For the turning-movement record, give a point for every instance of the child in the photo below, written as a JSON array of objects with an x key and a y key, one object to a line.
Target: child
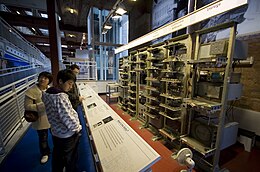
[{"x": 65, "y": 125}]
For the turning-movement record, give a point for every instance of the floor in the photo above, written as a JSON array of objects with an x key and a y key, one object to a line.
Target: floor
[
  {"x": 233, "y": 159},
  {"x": 25, "y": 156}
]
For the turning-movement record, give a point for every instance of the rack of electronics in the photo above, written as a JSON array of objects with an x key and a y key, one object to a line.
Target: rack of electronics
[
  {"x": 190, "y": 89},
  {"x": 175, "y": 74},
  {"x": 132, "y": 85},
  {"x": 123, "y": 82},
  {"x": 141, "y": 75},
  {"x": 214, "y": 87},
  {"x": 154, "y": 121}
]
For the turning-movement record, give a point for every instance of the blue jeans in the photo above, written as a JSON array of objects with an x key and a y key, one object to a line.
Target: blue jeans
[
  {"x": 43, "y": 142},
  {"x": 65, "y": 153}
]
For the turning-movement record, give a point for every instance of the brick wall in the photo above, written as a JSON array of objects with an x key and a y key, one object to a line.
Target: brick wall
[{"x": 251, "y": 76}]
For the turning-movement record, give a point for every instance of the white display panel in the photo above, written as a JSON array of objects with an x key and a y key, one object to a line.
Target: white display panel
[
  {"x": 213, "y": 9},
  {"x": 118, "y": 146}
]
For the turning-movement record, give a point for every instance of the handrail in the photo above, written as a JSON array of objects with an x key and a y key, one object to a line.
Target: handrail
[
  {"x": 16, "y": 69},
  {"x": 8, "y": 33}
]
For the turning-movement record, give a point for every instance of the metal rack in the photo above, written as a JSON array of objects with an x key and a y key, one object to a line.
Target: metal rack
[
  {"x": 186, "y": 89},
  {"x": 174, "y": 79},
  {"x": 153, "y": 88},
  {"x": 132, "y": 85},
  {"x": 112, "y": 91},
  {"x": 88, "y": 68},
  {"x": 123, "y": 81},
  {"x": 207, "y": 105},
  {"x": 141, "y": 75}
]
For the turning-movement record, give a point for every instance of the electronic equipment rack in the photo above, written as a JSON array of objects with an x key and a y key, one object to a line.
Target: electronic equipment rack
[
  {"x": 190, "y": 87},
  {"x": 213, "y": 86},
  {"x": 123, "y": 82}
]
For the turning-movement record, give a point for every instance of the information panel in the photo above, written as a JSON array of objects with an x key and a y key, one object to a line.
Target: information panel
[
  {"x": 213, "y": 9},
  {"x": 118, "y": 146}
]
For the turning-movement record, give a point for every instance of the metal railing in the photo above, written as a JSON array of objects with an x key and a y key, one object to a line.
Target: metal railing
[
  {"x": 14, "y": 40},
  {"x": 11, "y": 75},
  {"x": 12, "y": 108}
]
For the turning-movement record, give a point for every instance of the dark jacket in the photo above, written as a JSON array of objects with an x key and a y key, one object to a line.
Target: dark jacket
[{"x": 74, "y": 96}]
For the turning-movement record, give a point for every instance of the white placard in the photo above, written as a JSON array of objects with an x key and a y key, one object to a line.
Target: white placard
[
  {"x": 118, "y": 146},
  {"x": 208, "y": 11}
]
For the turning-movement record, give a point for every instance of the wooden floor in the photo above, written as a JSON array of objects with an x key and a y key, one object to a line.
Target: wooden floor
[{"x": 233, "y": 159}]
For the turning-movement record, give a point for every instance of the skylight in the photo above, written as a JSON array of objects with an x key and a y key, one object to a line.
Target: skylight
[
  {"x": 44, "y": 15},
  {"x": 45, "y": 32},
  {"x": 29, "y": 13},
  {"x": 24, "y": 30}
]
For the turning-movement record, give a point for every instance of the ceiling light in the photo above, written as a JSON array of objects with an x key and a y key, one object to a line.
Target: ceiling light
[
  {"x": 116, "y": 16},
  {"x": 33, "y": 29},
  {"x": 71, "y": 10},
  {"x": 120, "y": 11},
  {"x": 84, "y": 36},
  {"x": 44, "y": 31},
  {"x": 71, "y": 35},
  {"x": 107, "y": 26},
  {"x": 44, "y": 15},
  {"x": 43, "y": 44},
  {"x": 29, "y": 13},
  {"x": 104, "y": 31},
  {"x": 18, "y": 12}
]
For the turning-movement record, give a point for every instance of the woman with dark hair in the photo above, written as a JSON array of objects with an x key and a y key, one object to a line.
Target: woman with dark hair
[{"x": 33, "y": 102}]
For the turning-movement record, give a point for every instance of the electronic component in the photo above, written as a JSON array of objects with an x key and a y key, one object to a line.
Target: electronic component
[
  {"x": 206, "y": 106},
  {"x": 174, "y": 103},
  {"x": 210, "y": 90},
  {"x": 211, "y": 76},
  {"x": 218, "y": 48},
  {"x": 206, "y": 133}
]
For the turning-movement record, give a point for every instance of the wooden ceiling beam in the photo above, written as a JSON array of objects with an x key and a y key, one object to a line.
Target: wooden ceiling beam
[
  {"x": 45, "y": 39},
  {"x": 26, "y": 21},
  {"x": 37, "y": 22}
]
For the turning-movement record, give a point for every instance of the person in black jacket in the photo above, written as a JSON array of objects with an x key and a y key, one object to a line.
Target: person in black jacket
[{"x": 74, "y": 96}]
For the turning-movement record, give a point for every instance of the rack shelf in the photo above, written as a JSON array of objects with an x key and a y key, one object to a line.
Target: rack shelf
[
  {"x": 112, "y": 91},
  {"x": 196, "y": 145},
  {"x": 174, "y": 109},
  {"x": 168, "y": 135},
  {"x": 171, "y": 97},
  {"x": 167, "y": 116}
]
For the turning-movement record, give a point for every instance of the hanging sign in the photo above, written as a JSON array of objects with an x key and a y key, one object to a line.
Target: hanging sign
[{"x": 208, "y": 11}]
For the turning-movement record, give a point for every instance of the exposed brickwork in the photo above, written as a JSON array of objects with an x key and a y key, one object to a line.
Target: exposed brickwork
[{"x": 251, "y": 76}]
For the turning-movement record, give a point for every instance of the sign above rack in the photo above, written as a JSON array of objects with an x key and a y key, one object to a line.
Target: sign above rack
[{"x": 208, "y": 11}]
